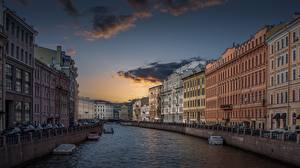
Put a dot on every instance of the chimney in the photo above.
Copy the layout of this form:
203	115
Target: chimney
58	55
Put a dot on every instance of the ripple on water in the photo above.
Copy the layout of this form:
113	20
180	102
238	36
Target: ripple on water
142	148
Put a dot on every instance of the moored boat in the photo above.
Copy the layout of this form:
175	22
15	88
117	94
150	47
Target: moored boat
215	140
93	136
64	149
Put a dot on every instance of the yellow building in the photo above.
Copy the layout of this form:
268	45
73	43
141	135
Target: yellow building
194	96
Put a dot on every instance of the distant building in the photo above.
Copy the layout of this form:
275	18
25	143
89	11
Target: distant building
86	108
19	65
154	103
124	112
145	115
194	96
104	110
136	108
284	76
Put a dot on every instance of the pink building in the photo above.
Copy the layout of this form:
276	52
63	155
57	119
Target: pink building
50	95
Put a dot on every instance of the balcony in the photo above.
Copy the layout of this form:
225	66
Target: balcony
226	106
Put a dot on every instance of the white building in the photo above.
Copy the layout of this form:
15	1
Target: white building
145	109
86	108
103	110
172	93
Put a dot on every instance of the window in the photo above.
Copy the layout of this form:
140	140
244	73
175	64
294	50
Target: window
8	69
294	55
26	74
18	80
286	58
286	41
294	73
7	24
18	109
27	111
22	35
294	36
18	32
294	95
12	28
26	57
22	55
12	49
17	52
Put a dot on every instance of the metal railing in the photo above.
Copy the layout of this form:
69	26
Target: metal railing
282	136
39	135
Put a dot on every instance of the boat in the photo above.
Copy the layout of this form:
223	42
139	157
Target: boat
105	131
215	140
93	136
64	149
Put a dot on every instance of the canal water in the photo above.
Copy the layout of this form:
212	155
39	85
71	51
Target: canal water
133	147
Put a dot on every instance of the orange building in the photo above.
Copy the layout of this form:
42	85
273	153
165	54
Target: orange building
236	84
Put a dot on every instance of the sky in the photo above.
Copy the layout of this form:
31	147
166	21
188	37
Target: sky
123	47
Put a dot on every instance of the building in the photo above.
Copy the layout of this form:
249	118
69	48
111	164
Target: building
136	109
172	98
172	92
154	103
194	96
104	110
86	108
3	41
69	68
236	84
19	65
145	114
124	112
45	99
284	76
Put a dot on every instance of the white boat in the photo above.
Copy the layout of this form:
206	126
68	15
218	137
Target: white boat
215	140
93	136
64	149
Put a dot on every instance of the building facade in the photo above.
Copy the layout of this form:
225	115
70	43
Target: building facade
45	99
236	84
194	97
136	109
18	69
145	109
86	108
3	41
154	103
284	77
124	113
69	68
172	99
104	110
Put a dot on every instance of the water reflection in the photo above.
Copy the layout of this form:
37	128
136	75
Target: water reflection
141	148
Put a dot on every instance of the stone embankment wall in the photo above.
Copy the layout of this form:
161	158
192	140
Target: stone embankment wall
23	148
282	150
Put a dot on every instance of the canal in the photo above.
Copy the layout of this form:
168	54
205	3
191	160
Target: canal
134	147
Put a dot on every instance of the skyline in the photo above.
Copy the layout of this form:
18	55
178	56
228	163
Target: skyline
145	39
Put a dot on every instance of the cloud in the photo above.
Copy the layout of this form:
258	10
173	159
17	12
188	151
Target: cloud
179	7
22	2
69	7
155	72
71	52
106	24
